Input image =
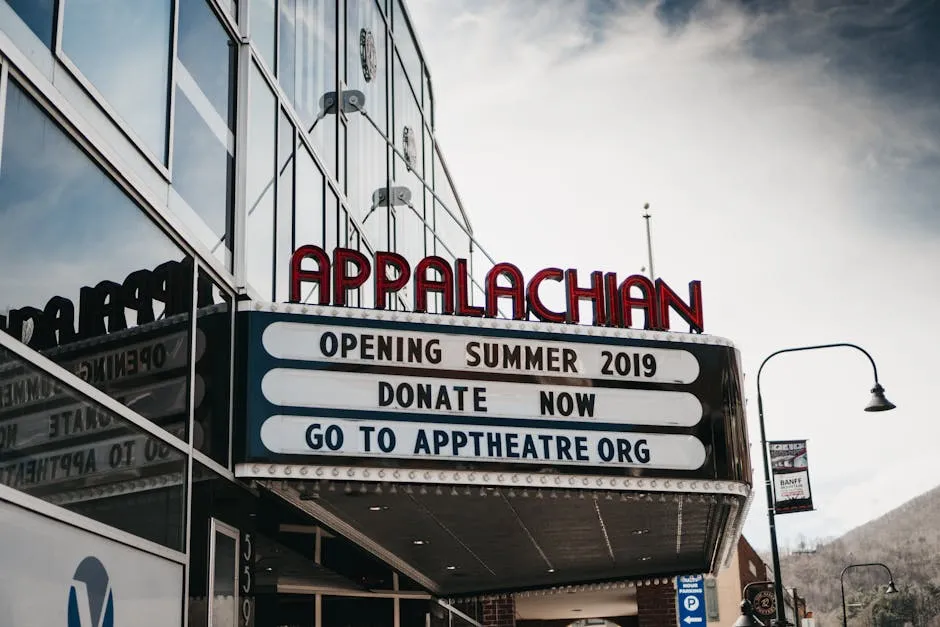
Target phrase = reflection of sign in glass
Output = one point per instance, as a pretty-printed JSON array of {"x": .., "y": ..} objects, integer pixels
[{"x": 367, "y": 54}]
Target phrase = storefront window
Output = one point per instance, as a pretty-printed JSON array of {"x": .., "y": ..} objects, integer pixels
[
  {"x": 39, "y": 15},
  {"x": 61, "y": 447},
  {"x": 220, "y": 507},
  {"x": 87, "y": 278},
  {"x": 204, "y": 140},
  {"x": 224, "y": 576},
  {"x": 123, "y": 49},
  {"x": 358, "y": 612},
  {"x": 414, "y": 612},
  {"x": 342, "y": 556}
]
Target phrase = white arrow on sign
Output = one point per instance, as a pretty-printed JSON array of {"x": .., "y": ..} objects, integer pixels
[{"x": 692, "y": 619}]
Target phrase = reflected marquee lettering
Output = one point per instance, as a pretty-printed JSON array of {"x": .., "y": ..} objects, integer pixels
[
  {"x": 327, "y": 280},
  {"x": 102, "y": 309}
]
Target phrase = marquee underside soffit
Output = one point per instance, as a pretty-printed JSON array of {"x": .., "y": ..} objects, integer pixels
[{"x": 460, "y": 540}]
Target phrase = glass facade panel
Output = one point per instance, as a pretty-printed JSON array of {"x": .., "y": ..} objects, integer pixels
[
  {"x": 308, "y": 49},
  {"x": 446, "y": 225},
  {"x": 408, "y": 123},
  {"x": 123, "y": 49},
  {"x": 262, "y": 16},
  {"x": 407, "y": 49},
  {"x": 309, "y": 213},
  {"x": 284, "y": 220},
  {"x": 213, "y": 381},
  {"x": 39, "y": 15},
  {"x": 366, "y": 149},
  {"x": 63, "y": 448},
  {"x": 262, "y": 146},
  {"x": 408, "y": 201},
  {"x": 113, "y": 309},
  {"x": 204, "y": 142}
]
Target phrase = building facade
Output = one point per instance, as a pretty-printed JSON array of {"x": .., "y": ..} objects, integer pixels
[{"x": 161, "y": 163}]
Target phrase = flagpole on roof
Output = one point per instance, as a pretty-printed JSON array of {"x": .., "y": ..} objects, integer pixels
[{"x": 649, "y": 240}]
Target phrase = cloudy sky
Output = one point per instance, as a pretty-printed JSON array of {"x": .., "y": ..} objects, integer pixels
[{"x": 786, "y": 149}]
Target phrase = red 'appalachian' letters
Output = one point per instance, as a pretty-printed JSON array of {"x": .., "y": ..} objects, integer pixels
[{"x": 613, "y": 304}]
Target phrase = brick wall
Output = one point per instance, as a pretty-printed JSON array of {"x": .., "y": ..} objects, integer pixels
[
  {"x": 499, "y": 612},
  {"x": 748, "y": 557},
  {"x": 656, "y": 604}
]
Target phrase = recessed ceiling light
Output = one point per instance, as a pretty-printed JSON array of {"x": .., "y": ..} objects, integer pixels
[
  {"x": 551, "y": 570},
  {"x": 645, "y": 558},
  {"x": 376, "y": 508},
  {"x": 640, "y": 532},
  {"x": 451, "y": 568},
  {"x": 419, "y": 542},
  {"x": 269, "y": 569}
]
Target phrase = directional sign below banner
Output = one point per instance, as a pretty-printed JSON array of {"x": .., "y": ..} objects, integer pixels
[{"x": 690, "y": 600}]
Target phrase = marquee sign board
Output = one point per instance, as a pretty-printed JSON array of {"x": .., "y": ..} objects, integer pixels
[{"x": 355, "y": 384}]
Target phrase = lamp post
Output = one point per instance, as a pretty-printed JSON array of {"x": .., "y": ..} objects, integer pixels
[
  {"x": 878, "y": 402},
  {"x": 889, "y": 589}
]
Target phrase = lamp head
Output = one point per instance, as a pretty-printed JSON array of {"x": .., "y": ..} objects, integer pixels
[
  {"x": 890, "y": 588},
  {"x": 878, "y": 401},
  {"x": 747, "y": 618}
]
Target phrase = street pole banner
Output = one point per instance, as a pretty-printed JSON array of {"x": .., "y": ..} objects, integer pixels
[{"x": 790, "y": 469}]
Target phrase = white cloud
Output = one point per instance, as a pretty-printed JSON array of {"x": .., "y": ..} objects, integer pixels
[{"x": 775, "y": 182}]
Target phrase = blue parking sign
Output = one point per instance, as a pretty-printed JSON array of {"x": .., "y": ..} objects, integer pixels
[{"x": 690, "y": 600}]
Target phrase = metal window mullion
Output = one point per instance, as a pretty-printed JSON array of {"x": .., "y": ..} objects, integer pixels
[
  {"x": 210, "y": 573},
  {"x": 59, "y": 26},
  {"x": 4, "y": 75},
  {"x": 243, "y": 89},
  {"x": 188, "y": 527},
  {"x": 213, "y": 465},
  {"x": 230, "y": 463},
  {"x": 228, "y": 21},
  {"x": 171, "y": 86}
]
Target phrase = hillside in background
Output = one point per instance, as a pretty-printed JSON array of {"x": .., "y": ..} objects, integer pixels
[{"x": 906, "y": 539}]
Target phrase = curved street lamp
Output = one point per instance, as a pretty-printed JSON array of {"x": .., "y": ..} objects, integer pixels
[
  {"x": 889, "y": 589},
  {"x": 878, "y": 402}
]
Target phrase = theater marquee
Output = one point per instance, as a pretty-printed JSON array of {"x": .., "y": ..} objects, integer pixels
[
  {"x": 363, "y": 385},
  {"x": 406, "y": 430}
]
